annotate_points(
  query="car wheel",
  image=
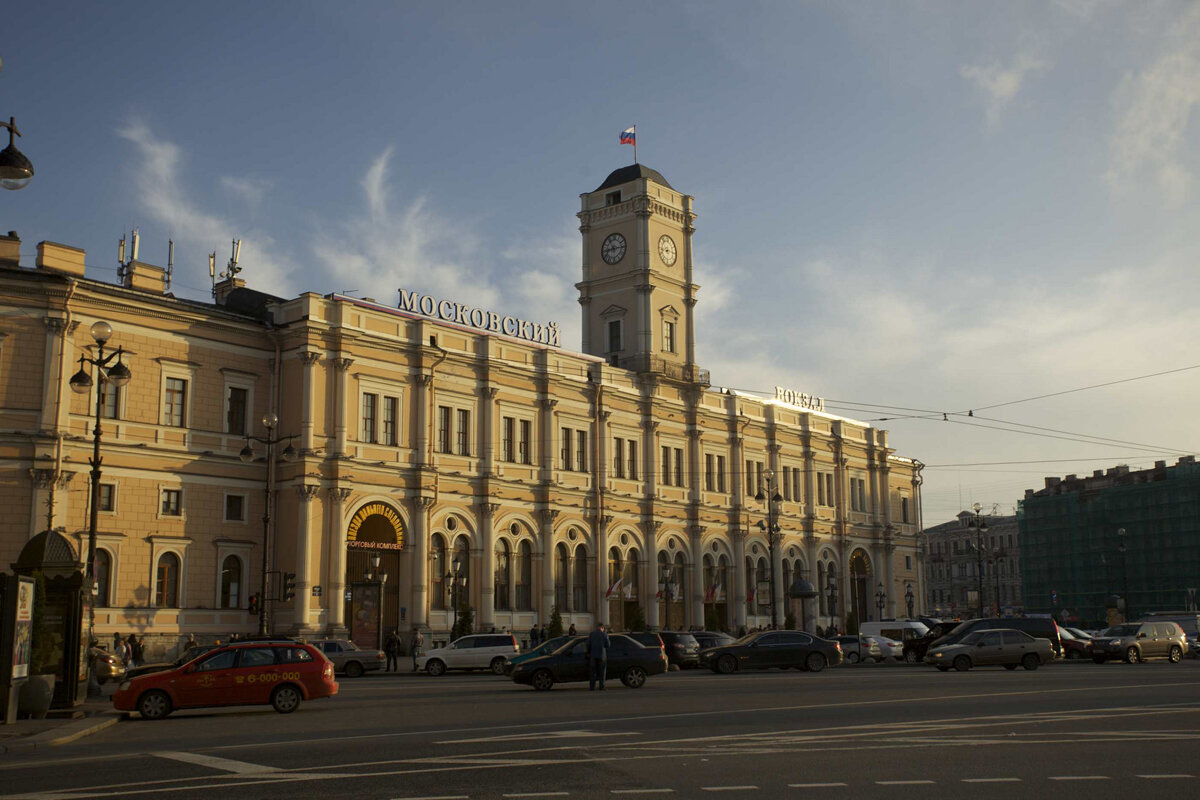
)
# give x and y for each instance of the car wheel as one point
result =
(435, 668)
(285, 699)
(542, 680)
(154, 704)
(1074, 655)
(942, 668)
(498, 665)
(1098, 660)
(1132, 656)
(1176, 654)
(962, 663)
(869, 660)
(634, 677)
(852, 657)
(910, 656)
(1031, 661)
(815, 662)
(354, 670)
(727, 664)
(1010, 667)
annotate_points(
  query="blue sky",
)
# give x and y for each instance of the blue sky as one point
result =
(938, 206)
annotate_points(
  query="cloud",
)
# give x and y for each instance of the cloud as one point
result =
(1154, 108)
(163, 195)
(998, 84)
(249, 189)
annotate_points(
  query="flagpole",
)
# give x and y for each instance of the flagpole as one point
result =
(635, 144)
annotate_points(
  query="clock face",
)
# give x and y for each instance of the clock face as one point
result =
(666, 249)
(614, 248)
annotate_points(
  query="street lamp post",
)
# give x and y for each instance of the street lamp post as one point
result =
(908, 598)
(269, 421)
(831, 592)
(665, 591)
(979, 523)
(880, 601)
(771, 528)
(455, 576)
(1124, 571)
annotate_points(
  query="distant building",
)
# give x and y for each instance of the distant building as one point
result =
(1089, 543)
(956, 556)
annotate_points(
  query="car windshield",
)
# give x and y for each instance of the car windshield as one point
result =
(194, 653)
(749, 637)
(1064, 633)
(550, 645)
(1122, 630)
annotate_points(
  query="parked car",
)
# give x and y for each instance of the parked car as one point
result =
(896, 630)
(1074, 648)
(1078, 633)
(682, 648)
(1138, 641)
(628, 660)
(349, 659)
(1006, 647)
(474, 651)
(190, 654)
(915, 649)
(768, 649)
(860, 648)
(1037, 627)
(106, 666)
(708, 639)
(1188, 620)
(649, 639)
(250, 673)
(545, 648)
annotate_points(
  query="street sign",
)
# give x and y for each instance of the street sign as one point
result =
(316, 591)
(1053, 597)
(349, 595)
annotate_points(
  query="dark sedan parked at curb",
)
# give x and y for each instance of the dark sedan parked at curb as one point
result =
(998, 647)
(769, 649)
(627, 660)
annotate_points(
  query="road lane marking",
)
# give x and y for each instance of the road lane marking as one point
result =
(727, 788)
(991, 780)
(1164, 777)
(537, 794)
(215, 762)
(643, 791)
(903, 783)
(1078, 777)
(438, 797)
(514, 737)
(815, 785)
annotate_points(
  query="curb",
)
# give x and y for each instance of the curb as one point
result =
(66, 734)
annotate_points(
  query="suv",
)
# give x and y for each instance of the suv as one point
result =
(1138, 641)
(1038, 627)
(348, 658)
(477, 651)
(682, 648)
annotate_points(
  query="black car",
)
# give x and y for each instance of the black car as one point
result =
(627, 660)
(915, 649)
(682, 648)
(710, 639)
(647, 639)
(769, 649)
(1038, 627)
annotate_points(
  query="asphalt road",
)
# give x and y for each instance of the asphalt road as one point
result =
(1066, 730)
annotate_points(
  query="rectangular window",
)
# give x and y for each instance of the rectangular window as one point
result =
(908, 562)
(110, 397)
(678, 466)
(235, 508)
(787, 484)
(171, 502)
(796, 485)
(581, 452)
(614, 335)
(758, 477)
(709, 478)
(235, 410)
(567, 461)
(666, 466)
(526, 442)
(668, 337)
(720, 473)
(108, 497)
(464, 432)
(619, 457)
(175, 402)
(391, 410)
(443, 429)
(370, 413)
(507, 435)
(750, 477)
(633, 460)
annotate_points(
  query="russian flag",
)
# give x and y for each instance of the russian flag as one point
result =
(629, 136)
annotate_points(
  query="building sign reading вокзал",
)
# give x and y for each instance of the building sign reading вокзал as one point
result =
(490, 321)
(808, 401)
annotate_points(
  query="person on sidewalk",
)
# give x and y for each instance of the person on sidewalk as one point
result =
(571, 630)
(542, 634)
(597, 655)
(533, 637)
(392, 648)
(136, 651)
(418, 643)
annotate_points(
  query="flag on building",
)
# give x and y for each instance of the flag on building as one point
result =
(613, 588)
(750, 594)
(629, 136)
(627, 590)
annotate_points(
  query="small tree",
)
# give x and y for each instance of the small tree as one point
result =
(638, 623)
(555, 628)
(466, 620)
(852, 624)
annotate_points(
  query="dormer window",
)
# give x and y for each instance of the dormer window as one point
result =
(612, 198)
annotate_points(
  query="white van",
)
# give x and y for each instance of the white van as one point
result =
(898, 630)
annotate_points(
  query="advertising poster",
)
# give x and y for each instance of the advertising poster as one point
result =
(23, 630)
(364, 615)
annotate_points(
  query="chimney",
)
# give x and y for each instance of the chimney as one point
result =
(60, 258)
(145, 277)
(1160, 464)
(10, 250)
(1052, 482)
(1097, 473)
(225, 288)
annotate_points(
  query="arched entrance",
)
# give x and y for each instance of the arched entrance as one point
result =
(375, 540)
(860, 585)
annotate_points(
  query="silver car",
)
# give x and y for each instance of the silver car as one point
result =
(348, 659)
(1005, 647)
(860, 648)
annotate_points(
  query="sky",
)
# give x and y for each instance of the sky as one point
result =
(920, 211)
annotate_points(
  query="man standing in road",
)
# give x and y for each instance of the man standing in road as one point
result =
(392, 648)
(597, 654)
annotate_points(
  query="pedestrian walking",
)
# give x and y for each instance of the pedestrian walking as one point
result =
(418, 643)
(136, 651)
(190, 643)
(571, 630)
(533, 637)
(597, 654)
(392, 648)
(118, 646)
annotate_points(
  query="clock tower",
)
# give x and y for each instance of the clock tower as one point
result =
(637, 292)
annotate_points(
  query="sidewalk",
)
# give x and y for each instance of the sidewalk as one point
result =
(31, 734)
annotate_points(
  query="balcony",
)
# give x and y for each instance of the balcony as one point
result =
(660, 366)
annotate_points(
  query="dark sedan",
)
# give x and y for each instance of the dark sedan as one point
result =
(710, 639)
(769, 649)
(627, 660)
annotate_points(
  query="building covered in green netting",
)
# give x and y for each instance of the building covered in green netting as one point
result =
(1117, 544)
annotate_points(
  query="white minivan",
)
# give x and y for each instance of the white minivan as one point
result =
(898, 630)
(477, 651)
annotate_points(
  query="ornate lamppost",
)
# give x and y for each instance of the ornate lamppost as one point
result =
(908, 597)
(979, 523)
(269, 421)
(831, 591)
(771, 528)
(457, 583)
(880, 601)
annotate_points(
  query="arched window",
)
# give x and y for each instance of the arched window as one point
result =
(723, 579)
(460, 565)
(579, 581)
(503, 571)
(631, 582)
(103, 573)
(822, 600)
(562, 569)
(166, 588)
(231, 582)
(664, 577)
(762, 580)
(614, 572)
(525, 576)
(709, 579)
(437, 572)
(751, 586)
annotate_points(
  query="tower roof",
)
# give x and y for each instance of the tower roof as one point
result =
(632, 173)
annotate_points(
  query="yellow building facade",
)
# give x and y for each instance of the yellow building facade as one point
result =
(465, 452)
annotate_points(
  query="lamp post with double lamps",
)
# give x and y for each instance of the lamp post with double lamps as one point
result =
(831, 592)
(270, 420)
(979, 523)
(880, 601)
(115, 375)
(664, 587)
(908, 598)
(457, 583)
(771, 527)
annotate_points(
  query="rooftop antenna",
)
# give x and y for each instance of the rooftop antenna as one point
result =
(123, 262)
(233, 269)
(170, 264)
(212, 271)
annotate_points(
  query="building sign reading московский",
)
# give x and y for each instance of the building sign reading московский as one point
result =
(490, 321)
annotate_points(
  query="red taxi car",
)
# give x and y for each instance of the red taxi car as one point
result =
(239, 674)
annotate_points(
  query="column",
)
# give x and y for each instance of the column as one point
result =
(650, 575)
(308, 359)
(54, 400)
(889, 573)
(337, 558)
(546, 603)
(343, 401)
(812, 607)
(602, 578)
(777, 571)
(739, 579)
(487, 564)
(424, 384)
(306, 493)
(421, 506)
(695, 532)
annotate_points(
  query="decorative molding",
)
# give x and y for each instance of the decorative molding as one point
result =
(548, 515)
(489, 392)
(488, 508)
(343, 364)
(309, 357)
(42, 478)
(64, 478)
(307, 492)
(338, 494)
(424, 503)
(424, 379)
